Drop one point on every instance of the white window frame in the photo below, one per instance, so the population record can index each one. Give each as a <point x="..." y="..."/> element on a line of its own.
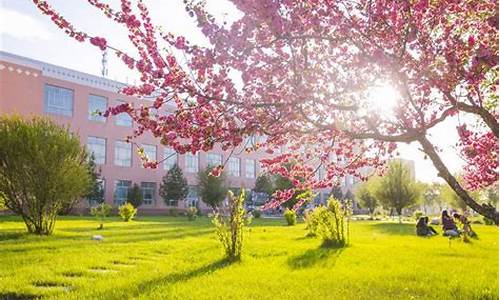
<point x="126" y="184"/>
<point x="192" y="162"/>
<point x="97" y="103"/>
<point x="123" y="119"/>
<point x="94" y="143"/>
<point x="214" y="159"/>
<point x="250" y="162"/>
<point x="56" y="99"/>
<point x="234" y="166"/>
<point x="170" y="158"/>
<point x="117" y="161"/>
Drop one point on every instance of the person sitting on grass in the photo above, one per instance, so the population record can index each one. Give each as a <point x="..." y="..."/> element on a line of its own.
<point x="423" y="229"/>
<point x="466" y="228"/>
<point x="449" y="226"/>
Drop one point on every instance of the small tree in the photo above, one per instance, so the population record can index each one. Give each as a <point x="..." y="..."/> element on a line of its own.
<point x="229" y="229"/>
<point x="43" y="167"/>
<point x="174" y="187"/>
<point x="397" y="189"/>
<point x="212" y="189"/>
<point x="264" y="184"/>
<point x="95" y="195"/>
<point x="101" y="211"/>
<point x="134" y="196"/>
<point x="365" y="198"/>
<point x="337" y="192"/>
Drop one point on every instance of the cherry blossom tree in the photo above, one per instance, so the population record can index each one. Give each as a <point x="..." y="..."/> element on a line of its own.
<point x="302" y="74"/>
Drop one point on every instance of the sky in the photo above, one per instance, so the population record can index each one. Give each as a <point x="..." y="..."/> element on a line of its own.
<point x="25" y="31"/>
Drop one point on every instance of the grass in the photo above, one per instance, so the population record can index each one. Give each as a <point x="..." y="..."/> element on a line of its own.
<point x="172" y="258"/>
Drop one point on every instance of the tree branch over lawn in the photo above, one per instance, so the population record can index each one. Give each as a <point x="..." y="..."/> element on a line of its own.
<point x="303" y="74"/>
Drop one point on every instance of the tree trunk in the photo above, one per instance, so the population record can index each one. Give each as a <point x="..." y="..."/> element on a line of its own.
<point x="485" y="210"/>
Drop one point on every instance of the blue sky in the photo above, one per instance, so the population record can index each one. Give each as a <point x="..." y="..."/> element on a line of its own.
<point x="25" y="31"/>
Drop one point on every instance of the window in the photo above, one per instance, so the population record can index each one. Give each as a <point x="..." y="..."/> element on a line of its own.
<point x="123" y="119"/>
<point x="234" y="166"/>
<point x="250" y="168"/>
<point x="123" y="154"/>
<point x="170" y="158"/>
<point x="148" y="192"/>
<point x="150" y="152"/>
<point x="58" y="100"/>
<point x="214" y="159"/>
<point x="97" y="146"/>
<point x="97" y="104"/>
<point x="192" y="196"/>
<point x="192" y="163"/>
<point x="121" y="191"/>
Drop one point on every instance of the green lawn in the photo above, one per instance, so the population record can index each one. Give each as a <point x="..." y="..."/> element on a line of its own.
<point x="172" y="258"/>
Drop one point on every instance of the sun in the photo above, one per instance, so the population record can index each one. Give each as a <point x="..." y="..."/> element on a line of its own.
<point x="383" y="98"/>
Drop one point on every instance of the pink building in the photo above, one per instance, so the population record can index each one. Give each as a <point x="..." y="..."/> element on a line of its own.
<point x="29" y="87"/>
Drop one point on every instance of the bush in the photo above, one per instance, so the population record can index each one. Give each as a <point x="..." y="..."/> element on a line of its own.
<point x="311" y="222"/>
<point x="488" y="221"/>
<point x="127" y="211"/>
<point x="290" y="217"/>
<point x="256" y="213"/>
<point x="329" y="223"/>
<point x="418" y="214"/>
<point x="43" y="169"/>
<point x="101" y="211"/>
<point x="173" y="212"/>
<point x="229" y="229"/>
<point x="192" y="213"/>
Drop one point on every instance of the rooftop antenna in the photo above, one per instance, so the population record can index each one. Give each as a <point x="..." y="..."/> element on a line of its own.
<point x="104" y="61"/>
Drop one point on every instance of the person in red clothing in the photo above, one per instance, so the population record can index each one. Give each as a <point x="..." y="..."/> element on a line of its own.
<point x="449" y="226"/>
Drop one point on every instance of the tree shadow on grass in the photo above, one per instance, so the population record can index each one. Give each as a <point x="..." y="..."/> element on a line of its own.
<point x="316" y="256"/>
<point x="394" y="228"/>
<point x="5" y="236"/>
<point x="173" y="278"/>
<point x="18" y="296"/>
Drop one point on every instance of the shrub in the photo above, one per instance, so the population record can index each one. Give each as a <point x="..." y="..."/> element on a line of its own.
<point x="488" y="221"/>
<point x="311" y="222"/>
<point x="43" y="169"/>
<point x="290" y="217"/>
<point x="229" y="229"/>
<point x="134" y="196"/>
<point x="127" y="211"/>
<point x="418" y="214"/>
<point x="173" y="212"/>
<point x="256" y="213"/>
<point x="330" y="223"/>
<point x="192" y="213"/>
<point x="101" y="211"/>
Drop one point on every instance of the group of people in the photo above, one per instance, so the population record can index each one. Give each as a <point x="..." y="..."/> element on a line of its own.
<point x="450" y="227"/>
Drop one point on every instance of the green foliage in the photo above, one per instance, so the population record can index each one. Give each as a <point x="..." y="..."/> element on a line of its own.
<point x="264" y="184"/>
<point x="449" y="195"/>
<point x="366" y="198"/>
<point x="95" y="195"/>
<point x="127" y="211"/>
<point x="488" y="221"/>
<point x="327" y="222"/>
<point x="212" y="190"/>
<point x="256" y="213"/>
<point x="173" y="212"/>
<point x="397" y="190"/>
<point x="101" y="211"/>
<point x="418" y="214"/>
<point x="192" y="213"/>
<point x="337" y="192"/>
<point x="290" y="217"/>
<point x="43" y="169"/>
<point x="174" y="187"/>
<point x="311" y="222"/>
<point x="229" y="229"/>
<point x="134" y="196"/>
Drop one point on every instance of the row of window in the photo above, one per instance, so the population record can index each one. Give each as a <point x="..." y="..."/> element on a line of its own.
<point x="60" y="101"/>
<point x="123" y="157"/>
<point x="148" y="190"/>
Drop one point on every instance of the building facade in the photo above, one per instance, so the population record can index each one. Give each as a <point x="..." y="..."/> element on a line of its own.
<point x="33" y="88"/>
